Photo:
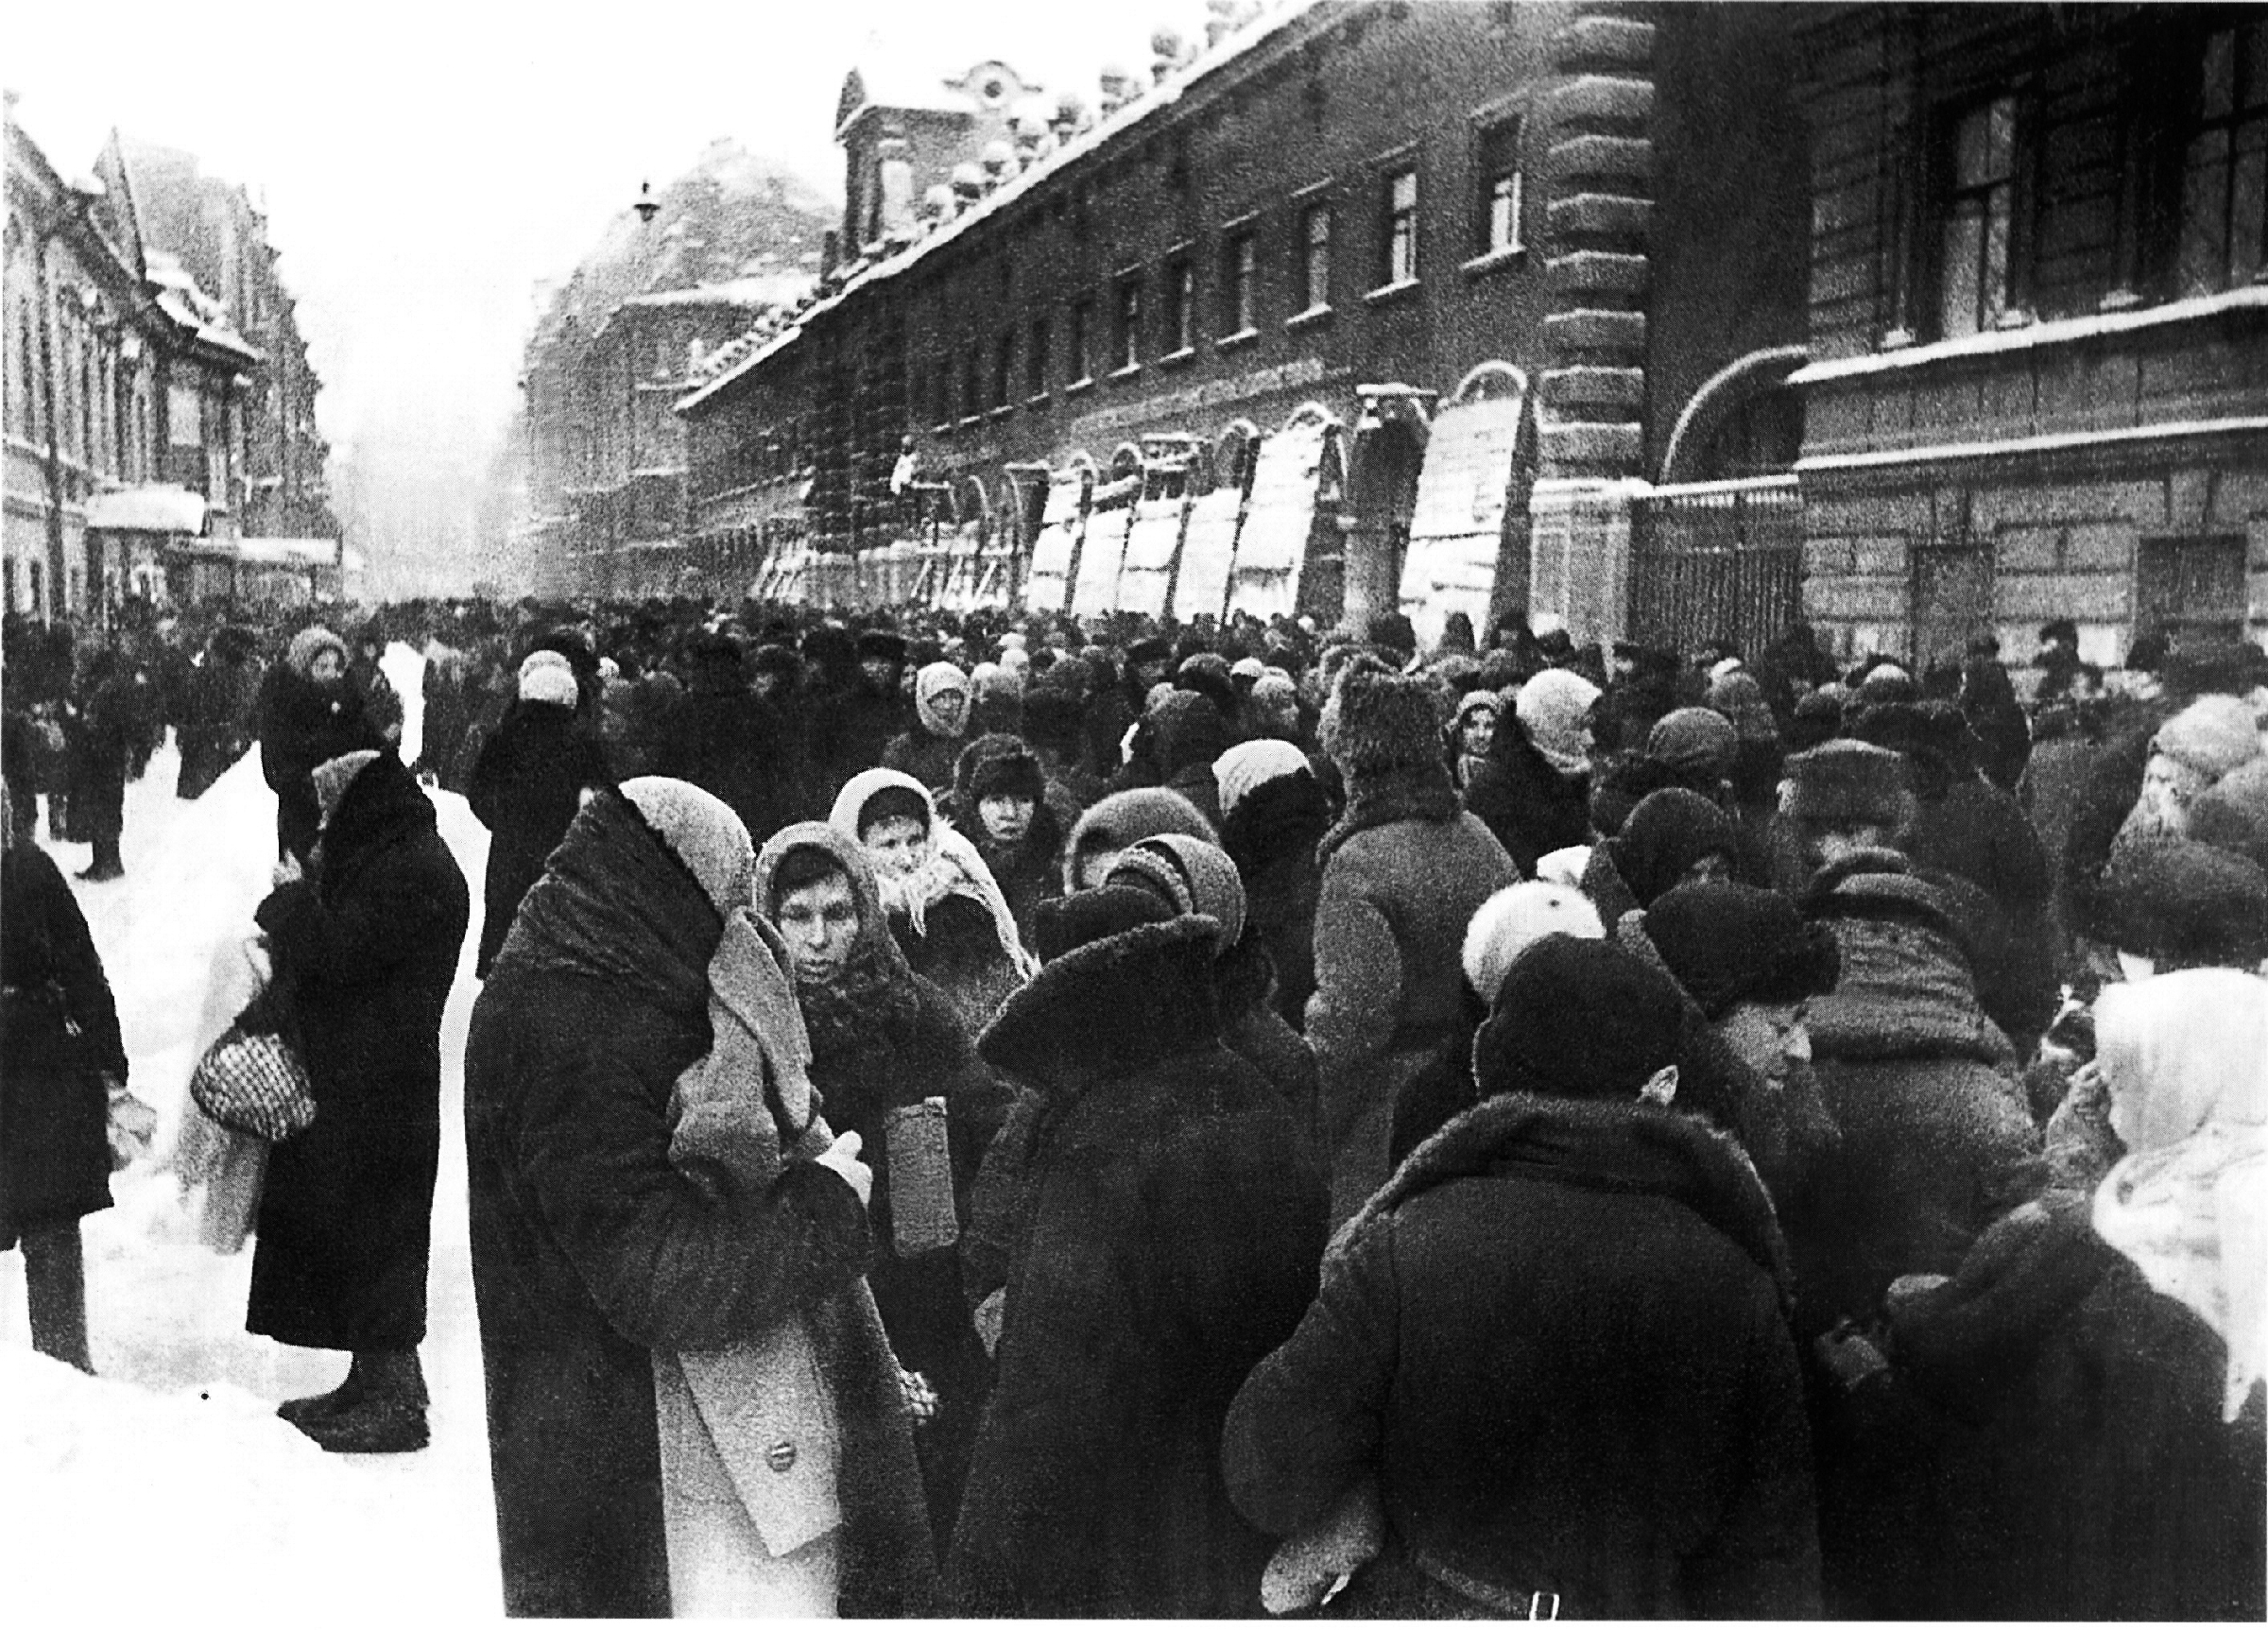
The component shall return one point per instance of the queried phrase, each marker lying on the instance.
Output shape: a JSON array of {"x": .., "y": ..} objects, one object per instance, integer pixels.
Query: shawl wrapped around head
[{"x": 954, "y": 866}]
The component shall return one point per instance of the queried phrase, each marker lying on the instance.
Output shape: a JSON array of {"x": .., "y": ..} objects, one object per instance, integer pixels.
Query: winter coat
[
  {"x": 591, "y": 1251},
  {"x": 1390, "y": 920},
  {"x": 1271, "y": 835},
  {"x": 366, "y": 950},
  {"x": 927, "y": 757},
  {"x": 1028, "y": 871},
  {"x": 2081, "y": 1437},
  {"x": 1530, "y": 807},
  {"x": 2061, "y": 762},
  {"x": 301, "y": 725},
  {"x": 55, "y": 1158},
  {"x": 1556, "y": 1340},
  {"x": 729, "y": 741},
  {"x": 223, "y": 693},
  {"x": 860, "y": 724},
  {"x": 1174, "y": 1241},
  {"x": 107, "y": 736},
  {"x": 527, "y": 787},
  {"x": 1938, "y": 1139}
]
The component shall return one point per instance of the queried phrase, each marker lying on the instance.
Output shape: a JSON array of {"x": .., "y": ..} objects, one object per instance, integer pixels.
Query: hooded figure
[
  {"x": 1173, "y": 1241},
  {"x": 2102, "y": 1353},
  {"x": 946, "y": 910},
  {"x": 928, "y": 750},
  {"x": 365, "y": 951},
  {"x": 885, "y": 1040},
  {"x": 531, "y": 777},
  {"x": 1673, "y": 836},
  {"x": 308, "y": 713},
  {"x": 1532, "y": 790},
  {"x": 1273, "y": 813},
  {"x": 1404, "y": 871},
  {"x": 1570, "y": 1250},
  {"x": 594, "y": 1251},
  {"x": 1001, "y": 805}
]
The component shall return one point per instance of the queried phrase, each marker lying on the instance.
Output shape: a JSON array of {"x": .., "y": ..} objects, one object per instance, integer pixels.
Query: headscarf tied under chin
[
  {"x": 928, "y": 684},
  {"x": 875, "y": 987},
  {"x": 1553, "y": 709},
  {"x": 2185, "y": 1055},
  {"x": 953, "y": 867}
]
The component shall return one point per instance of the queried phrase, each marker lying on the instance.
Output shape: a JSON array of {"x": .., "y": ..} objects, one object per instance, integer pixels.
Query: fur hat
[
  {"x": 1065, "y": 924},
  {"x": 1513, "y": 918},
  {"x": 2232, "y": 813},
  {"x": 1577, "y": 1019},
  {"x": 1123, "y": 819},
  {"x": 996, "y": 764},
  {"x": 2187, "y": 904},
  {"x": 1187, "y": 730},
  {"x": 1377, "y": 722},
  {"x": 307, "y": 645},
  {"x": 545, "y": 677},
  {"x": 700, "y": 829},
  {"x": 332, "y": 777},
  {"x": 880, "y": 644},
  {"x": 1728, "y": 943},
  {"x": 1696, "y": 740},
  {"x": 1276, "y": 701},
  {"x": 1249, "y": 766},
  {"x": 776, "y": 660},
  {"x": 1392, "y": 631},
  {"x": 1207, "y": 673},
  {"x": 1847, "y": 783},
  {"x": 2212, "y": 735},
  {"x": 1150, "y": 649}
]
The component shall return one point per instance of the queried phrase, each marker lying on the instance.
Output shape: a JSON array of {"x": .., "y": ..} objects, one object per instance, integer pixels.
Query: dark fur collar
[
  {"x": 1632, "y": 1147},
  {"x": 1111, "y": 1007}
]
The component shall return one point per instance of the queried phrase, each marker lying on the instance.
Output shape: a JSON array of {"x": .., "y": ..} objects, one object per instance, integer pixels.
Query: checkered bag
[{"x": 254, "y": 1083}]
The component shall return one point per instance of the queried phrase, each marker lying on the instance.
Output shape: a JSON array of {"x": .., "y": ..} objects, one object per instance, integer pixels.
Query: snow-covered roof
[
  {"x": 757, "y": 289},
  {"x": 179, "y": 298},
  {"x": 299, "y": 552},
  {"x": 2032, "y": 335},
  {"x": 1151, "y": 103},
  {"x": 156, "y": 507}
]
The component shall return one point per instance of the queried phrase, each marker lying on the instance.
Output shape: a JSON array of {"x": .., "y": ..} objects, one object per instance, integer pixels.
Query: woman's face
[
  {"x": 820, "y": 922},
  {"x": 897, "y": 845},
  {"x": 1480, "y": 731},
  {"x": 327, "y": 668},
  {"x": 1007, "y": 816},
  {"x": 2168, "y": 787},
  {"x": 951, "y": 709}
]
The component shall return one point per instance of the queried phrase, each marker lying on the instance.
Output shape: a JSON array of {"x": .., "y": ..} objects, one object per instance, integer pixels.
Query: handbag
[{"x": 252, "y": 1081}]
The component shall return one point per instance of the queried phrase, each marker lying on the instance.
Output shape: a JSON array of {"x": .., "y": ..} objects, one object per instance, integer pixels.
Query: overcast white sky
[{"x": 426, "y": 162}]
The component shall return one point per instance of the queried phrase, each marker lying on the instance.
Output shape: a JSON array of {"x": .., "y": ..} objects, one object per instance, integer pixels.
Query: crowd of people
[{"x": 991, "y": 1114}]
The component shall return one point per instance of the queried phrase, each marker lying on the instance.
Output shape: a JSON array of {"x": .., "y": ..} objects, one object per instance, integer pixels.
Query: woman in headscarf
[
  {"x": 885, "y": 1042},
  {"x": 1000, "y": 804},
  {"x": 1532, "y": 790},
  {"x": 308, "y": 714},
  {"x": 928, "y": 750},
  {"x": 1273, "y": 813},
  {"x": 2106, "y": 1350},
  {"x": 1471, "y": 731},
  {"x": 614, "y": 1236},
  {"x": 1673, "y": 836},
  {"x": 365, "y": 951},
  {"x": 945, "y": 909}
]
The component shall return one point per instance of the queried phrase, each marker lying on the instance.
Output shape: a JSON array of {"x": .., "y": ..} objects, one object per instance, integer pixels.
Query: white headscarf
[
  {"x": 954, "y": 866},
  {"x": 928, "y": 683},
  {"x": 2186, "y": 1057}
]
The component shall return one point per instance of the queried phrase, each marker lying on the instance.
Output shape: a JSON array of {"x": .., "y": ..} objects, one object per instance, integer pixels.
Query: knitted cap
[
  {"x": 546, "y": 678},
  {"x": 700, "y": 830},
  {"x": 334, "y": 776},
  {"x": 1696, "y": 740},
  {"x": 1376, "y": 721},
  {"x": 1123, "y": 819},
  {"x": 1728, "y": 943},
  {"x": 1847, "y": 783},
  {"x": 2212, "y": 735},
  {"x": 1513, "y": 918},
  {"x": 307, "y": 645},
  {"x": 1249, "y": 766},
  {"x": 1198, "y": 877},
  {"x": 1577, "y": 1019}
]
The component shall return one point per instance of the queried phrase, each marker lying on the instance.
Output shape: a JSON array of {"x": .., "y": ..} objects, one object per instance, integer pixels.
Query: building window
[
  {"x": 1035, "y": 360},
  {"x": 1126, "y": 340},
  {"x": 1239, "y": 256},
  {"x": 1082, "y": 342},
  {"x": 1974, "y": 245},
  {"x": 2224, "y": 170},
  {"x": 1003, "y": 368},
  {"x": 972, "y": 401},
  {"x": 1182, "y": 305},
  {"x": 1402, "y": 228},
  {"x": 1314, "y": 263},
  {"x": 1497, "y": 216},
  {"x": 2192, "y": 585}
]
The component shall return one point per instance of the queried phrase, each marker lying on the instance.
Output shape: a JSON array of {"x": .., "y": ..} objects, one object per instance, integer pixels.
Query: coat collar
[{"x": 1111, "y": 1007}]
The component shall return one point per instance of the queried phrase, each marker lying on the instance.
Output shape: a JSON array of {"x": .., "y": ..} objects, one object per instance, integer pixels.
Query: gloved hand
[
  {"x": 131, "y": 1124},
  {"x": 842, "y": 1160}
]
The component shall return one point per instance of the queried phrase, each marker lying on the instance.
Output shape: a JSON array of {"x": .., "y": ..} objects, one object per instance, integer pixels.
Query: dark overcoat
[
  {"x": 526, "y": 787},
  {"x": 364, "y": 952}
]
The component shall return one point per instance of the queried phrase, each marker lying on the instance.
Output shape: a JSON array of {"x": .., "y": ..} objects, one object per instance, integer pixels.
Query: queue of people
[{"x": 989, "y": 1115}]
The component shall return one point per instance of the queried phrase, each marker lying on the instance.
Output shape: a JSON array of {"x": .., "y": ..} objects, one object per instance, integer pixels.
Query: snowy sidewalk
[{"x": 167, "y": 1482}]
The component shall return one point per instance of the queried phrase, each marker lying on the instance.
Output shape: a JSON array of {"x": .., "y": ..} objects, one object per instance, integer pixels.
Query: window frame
[
  {"x": 1945, "y": 194},
  {"x": 1127, "y": 317},
  {"x": 2247, "y": 38},
  {"x": 1314, "y": 256},
  {"x": 1400, "y": 238},
  {"x": 1238, "y": 300},
  {"x": 1489, "y": 171},
  {"x": 1037, "y": 360},
  {"x": 1082, "y": 343},
  {"x": 1180, "y": 305}
]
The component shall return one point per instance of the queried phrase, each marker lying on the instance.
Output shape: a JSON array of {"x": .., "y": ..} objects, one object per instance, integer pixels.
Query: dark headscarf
[
  {"x": 874, "y": 991},
  {"x": 1666, "y": 833}
]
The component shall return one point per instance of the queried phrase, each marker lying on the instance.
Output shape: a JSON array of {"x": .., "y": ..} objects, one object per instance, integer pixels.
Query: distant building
[
  {"x": 1362, "y": 304},
  {"x": 2038, "y": 374},
  {"x": 127, "y": 385}
]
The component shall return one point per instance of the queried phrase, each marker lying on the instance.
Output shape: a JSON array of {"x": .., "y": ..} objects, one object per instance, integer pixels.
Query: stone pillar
[{"x": 1598, "y": 176}]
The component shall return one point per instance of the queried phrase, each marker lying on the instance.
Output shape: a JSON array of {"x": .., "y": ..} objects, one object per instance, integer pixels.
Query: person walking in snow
[{"x": 308, "y": 714}]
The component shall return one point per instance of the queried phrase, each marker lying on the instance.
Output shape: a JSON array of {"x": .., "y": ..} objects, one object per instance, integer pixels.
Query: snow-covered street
[{"x": 167, "y": 1482}]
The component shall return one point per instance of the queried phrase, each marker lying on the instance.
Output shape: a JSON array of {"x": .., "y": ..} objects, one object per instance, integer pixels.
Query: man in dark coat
[
  {"x": 530, "y": 780},
  {"x": 308, "y": 714},
  {"x": 1550, "y": 1369},
  {"x": 590, "y": 1250},
  {"x": 59, "y": 1048},
  {"x": 723, "y": 738},
  {"x": 222, "y": 694},
  {"x": 365, "y": 951},
  {"x": 108, "y": 731},
  {"x": 1173, "y": 1241}
]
